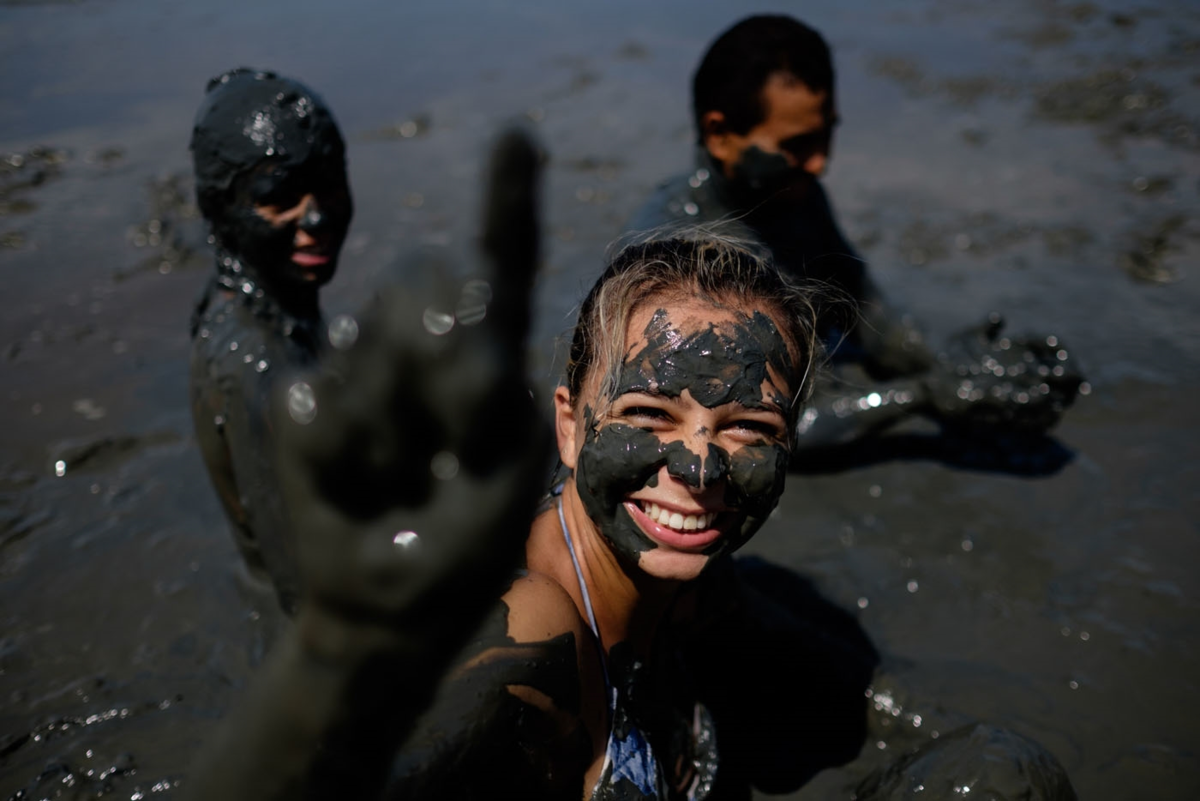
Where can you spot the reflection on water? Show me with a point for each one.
(1039, 159)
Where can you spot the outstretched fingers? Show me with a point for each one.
(510, 232)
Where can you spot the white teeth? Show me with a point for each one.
(677, 521)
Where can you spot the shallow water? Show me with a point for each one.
(1037, 158)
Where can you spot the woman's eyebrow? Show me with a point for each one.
(656, 394)
(765, 405)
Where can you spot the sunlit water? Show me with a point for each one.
(1039, 159)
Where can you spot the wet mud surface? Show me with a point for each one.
(1036, 159)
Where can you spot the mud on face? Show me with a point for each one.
(707, 401)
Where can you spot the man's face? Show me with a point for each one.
(784, 152)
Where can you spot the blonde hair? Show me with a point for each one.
(695, 262)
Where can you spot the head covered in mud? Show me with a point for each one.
(763, 103)
(271, 177)
(689, 364)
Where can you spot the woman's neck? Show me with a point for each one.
(628, 608)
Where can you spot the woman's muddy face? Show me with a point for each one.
(688, 456)
(290, 221)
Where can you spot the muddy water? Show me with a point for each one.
(1041, 159)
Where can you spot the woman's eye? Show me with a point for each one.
(645, 413)
(758, 428)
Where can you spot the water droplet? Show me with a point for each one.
(233, 345)
(302, 403)
(437, 322)
(875, 491)
(1074, 685)
(1085, 388)
(968, 546)
(343, 332)
(874, 400)
(262, 366)
(406, 540)
(472, 306)
(912, 586)
(1083, 635)
(444, 465)
(60, 468)
(863, 603)
(691, 209)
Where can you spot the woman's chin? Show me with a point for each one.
(670, 565)
(678, 555)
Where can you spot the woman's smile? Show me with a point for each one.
(690, 531)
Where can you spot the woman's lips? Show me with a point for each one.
(695, 540)
(309, 259)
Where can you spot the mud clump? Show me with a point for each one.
(985, 761)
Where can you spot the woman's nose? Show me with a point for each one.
(313, 219)
(699, 472)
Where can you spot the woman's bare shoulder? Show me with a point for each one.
(540, 608)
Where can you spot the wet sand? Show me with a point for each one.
(1039, 159)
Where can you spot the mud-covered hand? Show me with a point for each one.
(984, 379)
(412, 463)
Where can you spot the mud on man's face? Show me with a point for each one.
(687, 456)
(290, 220)
(781, 156)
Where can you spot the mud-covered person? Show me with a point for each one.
(765, 110)
(633, 658)
(271, 183)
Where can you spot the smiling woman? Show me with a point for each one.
(688, 366)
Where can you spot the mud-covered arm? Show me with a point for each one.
(508, 716)
(839, 413)
(979, 380)
(409, 506)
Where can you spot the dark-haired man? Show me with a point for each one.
(271, 182)
(765, 110)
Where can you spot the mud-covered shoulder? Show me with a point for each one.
(511, 713)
